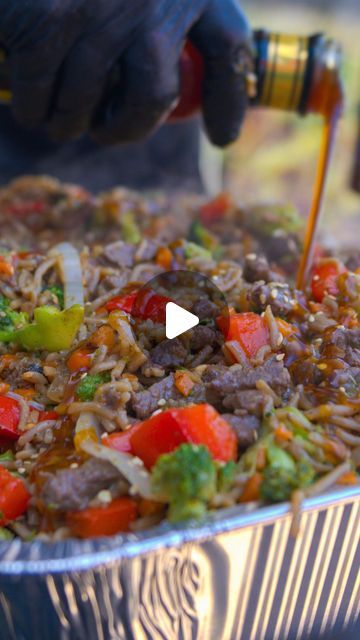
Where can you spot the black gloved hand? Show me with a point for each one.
(62, 54)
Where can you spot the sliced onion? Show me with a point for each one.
(132, 468)
(87, 421)
(71, 273)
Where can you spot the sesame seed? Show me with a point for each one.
(21, 470)
(340, 326)
(280, 356)
(311, 318)
(342, 389)
(322, 366)
(262, 298)
(274, 294)
(74, 465)
(104, 496)
(251, 256)
(316, 277)
(161, 402)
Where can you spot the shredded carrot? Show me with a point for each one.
(79, 359)
(7, 359)
(285, 328)
(164, 257)
(261, 458)
(184, 383)
(335, 450)
(28, 394)
(348, 478)
(6, 268)
(4, 387)
(283, 434)
(252, 488)
(104, 335)
(149, 508)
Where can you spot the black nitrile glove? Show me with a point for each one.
(63, 54)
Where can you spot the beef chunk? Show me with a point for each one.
(226, 381)
(69, 489)
(120, 253)
(251, 401)
(169, 354)
(276, 294)
(245, 427)
(205, 309)
(256, 268)
(202, 336)
(144, 403)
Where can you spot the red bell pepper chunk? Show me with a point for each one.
(120, 441)
(47, 415)
(9, 419)
(248, 329)
(197, 424)
(324, 278)
(144, 304)
(122, 303)
(14, 497)
(215, 209)
(103, 521)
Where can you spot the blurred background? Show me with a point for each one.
(275, 158)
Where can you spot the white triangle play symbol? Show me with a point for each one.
(178, 320)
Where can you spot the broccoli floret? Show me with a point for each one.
(9, 319)
(277, 484)
(283, 475)
(225, 477)
(58, 292)
(87, 387)
(186, 478)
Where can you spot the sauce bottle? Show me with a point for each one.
(292, 73)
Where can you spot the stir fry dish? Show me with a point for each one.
(106, 426)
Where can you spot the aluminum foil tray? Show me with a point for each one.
(239, 576)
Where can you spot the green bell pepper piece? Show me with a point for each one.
(52, 329)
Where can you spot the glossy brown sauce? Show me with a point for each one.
(326, 99)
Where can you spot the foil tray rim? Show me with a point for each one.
(17, 557)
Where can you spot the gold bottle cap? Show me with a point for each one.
(284, 72)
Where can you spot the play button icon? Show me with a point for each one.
(174, 318)
(178, 320)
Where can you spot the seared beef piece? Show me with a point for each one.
(69, 489)
(15, 370)
(251, 401)
(169, 354)
(144, 403)
(205, 309)
(342, 343)
(121, 253)
(245, 427)
(202, 336)
(227, 381)
(349, 378)
(283, 249)
(306, 372)
(256, 268)
(276, 294)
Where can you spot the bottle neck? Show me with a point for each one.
(297, 73)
